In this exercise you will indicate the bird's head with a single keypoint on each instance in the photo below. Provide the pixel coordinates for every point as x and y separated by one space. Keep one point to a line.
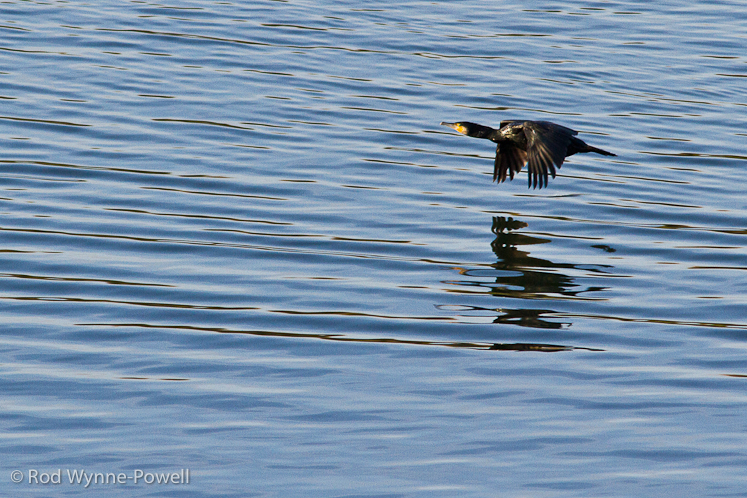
470 129
462 128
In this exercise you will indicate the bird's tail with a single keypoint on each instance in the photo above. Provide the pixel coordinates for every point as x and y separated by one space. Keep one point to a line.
599 151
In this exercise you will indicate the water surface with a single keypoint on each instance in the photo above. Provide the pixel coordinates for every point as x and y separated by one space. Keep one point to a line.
235 240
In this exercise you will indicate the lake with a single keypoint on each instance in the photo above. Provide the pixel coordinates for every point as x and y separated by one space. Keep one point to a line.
241 258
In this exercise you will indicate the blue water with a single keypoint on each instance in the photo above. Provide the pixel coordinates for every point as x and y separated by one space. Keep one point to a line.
234 239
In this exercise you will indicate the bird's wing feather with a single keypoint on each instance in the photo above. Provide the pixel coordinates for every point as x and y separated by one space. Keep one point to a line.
547 145
557 127
508 159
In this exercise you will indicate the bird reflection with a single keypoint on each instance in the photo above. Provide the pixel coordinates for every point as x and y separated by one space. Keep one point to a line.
528 318
518 275
528 283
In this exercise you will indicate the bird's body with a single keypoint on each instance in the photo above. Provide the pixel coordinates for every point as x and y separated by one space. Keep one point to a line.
541 145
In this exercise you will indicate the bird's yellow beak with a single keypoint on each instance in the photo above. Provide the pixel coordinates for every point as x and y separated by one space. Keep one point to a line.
456 126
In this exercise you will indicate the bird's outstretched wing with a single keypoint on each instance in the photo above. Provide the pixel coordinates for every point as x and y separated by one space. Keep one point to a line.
508 159
547 145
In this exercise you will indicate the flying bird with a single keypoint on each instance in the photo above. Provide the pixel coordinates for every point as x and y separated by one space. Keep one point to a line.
541 145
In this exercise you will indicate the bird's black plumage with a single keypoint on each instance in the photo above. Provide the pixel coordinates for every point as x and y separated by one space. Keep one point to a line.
541 145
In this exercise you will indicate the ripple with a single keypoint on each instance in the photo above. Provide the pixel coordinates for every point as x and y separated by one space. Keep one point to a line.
43 121
543 348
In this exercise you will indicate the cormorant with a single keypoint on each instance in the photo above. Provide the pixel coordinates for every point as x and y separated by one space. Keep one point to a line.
541 145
